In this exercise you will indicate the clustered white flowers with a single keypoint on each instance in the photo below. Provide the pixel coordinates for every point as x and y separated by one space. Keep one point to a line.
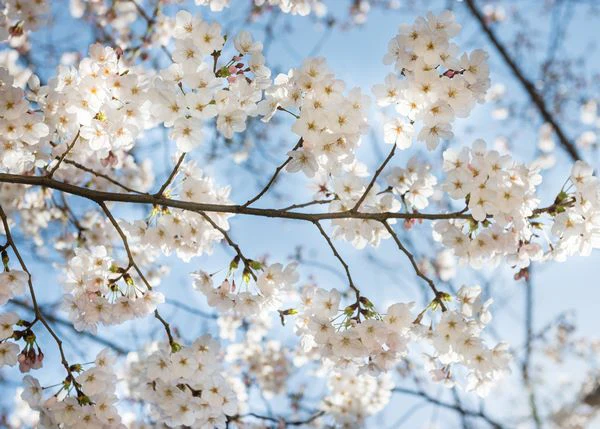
435 83
330 122
376 343
359 338
576 225
456 340
99 290
20 128
263 294
505 220
192 90
414 184
18 17
89 399
185 386
500 195
186 233
354 396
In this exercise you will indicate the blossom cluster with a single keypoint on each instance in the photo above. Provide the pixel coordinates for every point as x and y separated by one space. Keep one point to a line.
99 290
500 194
456 341
330 122
88 399
18 17
193 90
377 343
353 396
100 107
20 128
186 386
437 82
186 233
264 293
576 225
414 184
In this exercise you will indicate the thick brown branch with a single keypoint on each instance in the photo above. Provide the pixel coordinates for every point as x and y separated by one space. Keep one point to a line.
97 196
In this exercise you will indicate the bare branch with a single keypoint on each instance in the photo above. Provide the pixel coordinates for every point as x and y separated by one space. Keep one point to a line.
413 262
273 178
171 176
375 176
529 87
64 155
455 407
38 313
339 257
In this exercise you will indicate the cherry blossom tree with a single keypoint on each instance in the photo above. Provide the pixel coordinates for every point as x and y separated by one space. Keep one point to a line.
93 219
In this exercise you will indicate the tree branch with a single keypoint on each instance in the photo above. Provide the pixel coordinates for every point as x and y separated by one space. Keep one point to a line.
411 258
529 87
171 176
372 182
63 322
455 407
38 313
97 196
274 177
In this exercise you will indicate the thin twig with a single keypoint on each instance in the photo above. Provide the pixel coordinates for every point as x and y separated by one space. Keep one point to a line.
64 155
231 243
101 175
274 177
135 266
413 262
308 204
171 176
38 313
459 409
372 182
339 257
